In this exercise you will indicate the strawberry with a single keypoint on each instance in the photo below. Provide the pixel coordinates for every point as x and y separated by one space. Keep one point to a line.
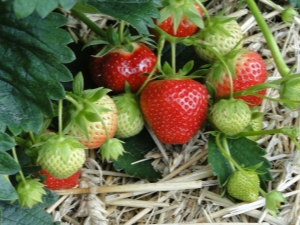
231 116
95 130
180 18
249 70
130 118
223 34
290 90
60 155
256 124
119 65
53 183
244 188
174 109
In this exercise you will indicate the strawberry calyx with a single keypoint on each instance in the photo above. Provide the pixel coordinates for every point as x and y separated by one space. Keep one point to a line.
273 200
118 39
30 191
111 149
57 144
83 107
215 24
179 9
290 90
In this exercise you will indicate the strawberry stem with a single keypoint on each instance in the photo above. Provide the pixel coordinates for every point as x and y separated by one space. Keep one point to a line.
173 56
17 160
278 59
232 161
60 107
160 46
121 31
94 27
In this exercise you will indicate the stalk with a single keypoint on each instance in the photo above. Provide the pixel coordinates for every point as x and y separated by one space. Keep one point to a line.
17 160
271 42
94 27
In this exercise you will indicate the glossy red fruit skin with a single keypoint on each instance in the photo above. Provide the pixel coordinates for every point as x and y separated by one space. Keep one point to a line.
174 109
250 70
56 184
118 66
186 27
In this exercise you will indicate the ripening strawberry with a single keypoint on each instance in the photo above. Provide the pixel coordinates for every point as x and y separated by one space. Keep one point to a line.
180 18
174 109
119 66
250 70
244 188
230 116
95 129
53 183
130 118
61 155
223 34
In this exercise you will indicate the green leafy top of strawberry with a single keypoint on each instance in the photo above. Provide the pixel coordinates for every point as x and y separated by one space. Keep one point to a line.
84 107
58 144
273 200
111 149
179 8
114 39
216 25
30 191
290 90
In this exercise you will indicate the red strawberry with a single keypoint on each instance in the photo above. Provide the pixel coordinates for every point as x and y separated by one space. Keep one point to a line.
118 66
180 18
55 183
250 70
174 109
185 27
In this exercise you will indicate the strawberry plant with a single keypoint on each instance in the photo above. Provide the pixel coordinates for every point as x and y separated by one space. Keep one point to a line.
194 81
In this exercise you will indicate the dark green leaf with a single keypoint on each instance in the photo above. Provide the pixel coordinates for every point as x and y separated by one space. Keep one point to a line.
24 8
138 13
244 151
12 213
6 142
7 191
67 4
44 7
135 149
8 165
31 51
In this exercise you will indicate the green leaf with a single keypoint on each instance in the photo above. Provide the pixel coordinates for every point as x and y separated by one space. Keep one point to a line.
6 142
8 165
135 149
7 191
244 151
31 51
24 8
44 7
67 4
138 13
14 214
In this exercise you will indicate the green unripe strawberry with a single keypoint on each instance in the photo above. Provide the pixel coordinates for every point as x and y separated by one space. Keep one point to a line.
290 90
231 116
61 156
244 188
223 34
130 118
256 124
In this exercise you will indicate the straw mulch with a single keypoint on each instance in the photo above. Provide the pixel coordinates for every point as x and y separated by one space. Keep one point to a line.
189 192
